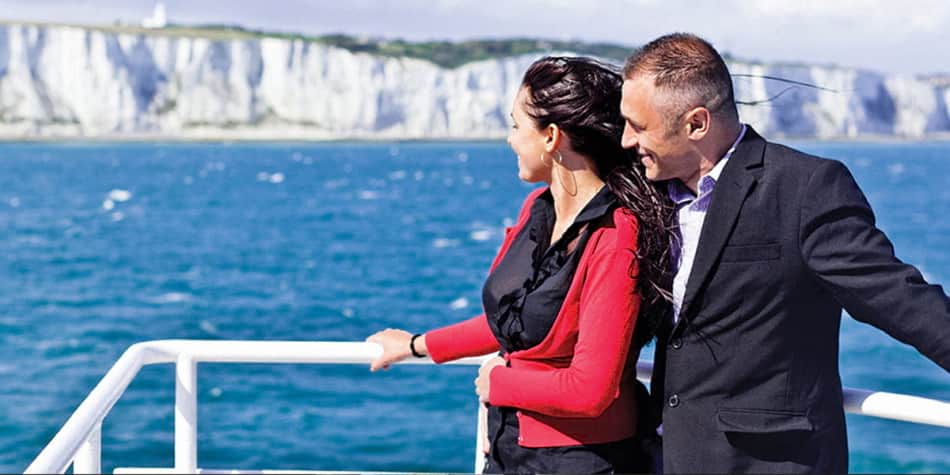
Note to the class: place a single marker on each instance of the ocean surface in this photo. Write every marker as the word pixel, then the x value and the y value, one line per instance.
pixel 103 245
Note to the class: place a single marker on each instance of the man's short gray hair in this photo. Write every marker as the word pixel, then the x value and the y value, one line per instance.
pixel 689 72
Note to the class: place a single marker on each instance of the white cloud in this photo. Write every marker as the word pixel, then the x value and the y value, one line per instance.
pixel 916 16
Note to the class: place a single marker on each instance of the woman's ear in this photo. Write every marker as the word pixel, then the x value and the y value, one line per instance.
pixel 552 138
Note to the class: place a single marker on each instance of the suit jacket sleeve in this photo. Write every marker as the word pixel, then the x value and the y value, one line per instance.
pixel 854 259
pixel 608 308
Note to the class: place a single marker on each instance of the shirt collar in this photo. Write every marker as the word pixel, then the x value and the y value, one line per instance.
pixel 678 192
pixel 717 170
pixel 598 206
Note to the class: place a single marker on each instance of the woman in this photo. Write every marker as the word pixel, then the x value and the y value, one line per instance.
pixel 585 264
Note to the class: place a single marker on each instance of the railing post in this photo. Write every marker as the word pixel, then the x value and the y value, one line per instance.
pixel 89 456
pixel 186 414
pixel 480 436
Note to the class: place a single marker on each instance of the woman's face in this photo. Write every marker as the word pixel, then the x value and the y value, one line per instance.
pixel 528 143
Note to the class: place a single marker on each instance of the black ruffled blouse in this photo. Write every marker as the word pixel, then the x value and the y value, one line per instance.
pixel 523 295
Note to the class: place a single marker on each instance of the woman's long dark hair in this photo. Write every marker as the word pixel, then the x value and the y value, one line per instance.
pixel 582 97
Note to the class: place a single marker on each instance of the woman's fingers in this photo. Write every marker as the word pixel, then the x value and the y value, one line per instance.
pixel 382 363
pixel 395 344
pixel 483 381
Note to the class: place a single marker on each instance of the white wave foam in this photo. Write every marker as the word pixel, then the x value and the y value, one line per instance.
pixel 481 234
pixel 118 216
pixel 397 175
pixel 208 327
pixel 368 195
pixel 108 205
pixel 14 202
pixel 348 312
pixel 271 177
pixel 174 297
pixel 120 196
pixel 441 243
pixel 896 169
pixel 459 303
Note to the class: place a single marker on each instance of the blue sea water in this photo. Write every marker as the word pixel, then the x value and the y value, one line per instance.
pixel 330 242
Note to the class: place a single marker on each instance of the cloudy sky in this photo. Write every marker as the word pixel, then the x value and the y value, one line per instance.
pixel 911 36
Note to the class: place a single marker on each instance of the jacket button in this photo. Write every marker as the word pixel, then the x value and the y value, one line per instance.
pixel 677 343
pixel 674 400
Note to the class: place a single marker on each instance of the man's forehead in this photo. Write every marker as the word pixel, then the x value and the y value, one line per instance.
pixel 641 92
pixel 635 94
pixel 638 83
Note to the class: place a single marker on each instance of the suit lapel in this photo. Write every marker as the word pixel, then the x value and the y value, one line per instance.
pixel 736 182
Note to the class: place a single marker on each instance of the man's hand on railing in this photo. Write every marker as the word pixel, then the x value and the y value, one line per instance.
pixel 395 345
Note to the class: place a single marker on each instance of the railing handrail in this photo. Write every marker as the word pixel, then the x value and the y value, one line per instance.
pixel 59 453
pixel 87 419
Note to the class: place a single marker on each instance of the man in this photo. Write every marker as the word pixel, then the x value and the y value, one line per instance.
pixel 773 244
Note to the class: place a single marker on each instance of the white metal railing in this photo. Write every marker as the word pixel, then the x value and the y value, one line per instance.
pixel 78 442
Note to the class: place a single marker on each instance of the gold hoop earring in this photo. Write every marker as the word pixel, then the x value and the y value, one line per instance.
pixel 559 157
pixel 542 160
pixel 564 182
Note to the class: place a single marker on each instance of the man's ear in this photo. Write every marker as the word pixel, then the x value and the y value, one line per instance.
pixel 698 121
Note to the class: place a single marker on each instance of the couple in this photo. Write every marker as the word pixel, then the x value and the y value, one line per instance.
pixel 666 216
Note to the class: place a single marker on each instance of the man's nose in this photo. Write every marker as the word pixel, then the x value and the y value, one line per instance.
pixel 629 139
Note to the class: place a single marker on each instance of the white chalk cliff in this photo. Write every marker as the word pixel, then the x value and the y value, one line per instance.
pixel 63 81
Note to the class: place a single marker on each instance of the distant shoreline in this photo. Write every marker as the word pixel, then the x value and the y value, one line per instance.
pixel 218 139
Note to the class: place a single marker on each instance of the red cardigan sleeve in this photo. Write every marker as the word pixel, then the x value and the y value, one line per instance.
pixel 473 337
pixel 607 316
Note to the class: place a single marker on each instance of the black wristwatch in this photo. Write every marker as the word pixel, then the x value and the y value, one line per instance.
pixel 412 346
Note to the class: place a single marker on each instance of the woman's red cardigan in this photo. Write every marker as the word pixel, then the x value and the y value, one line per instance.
pixel 576 386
